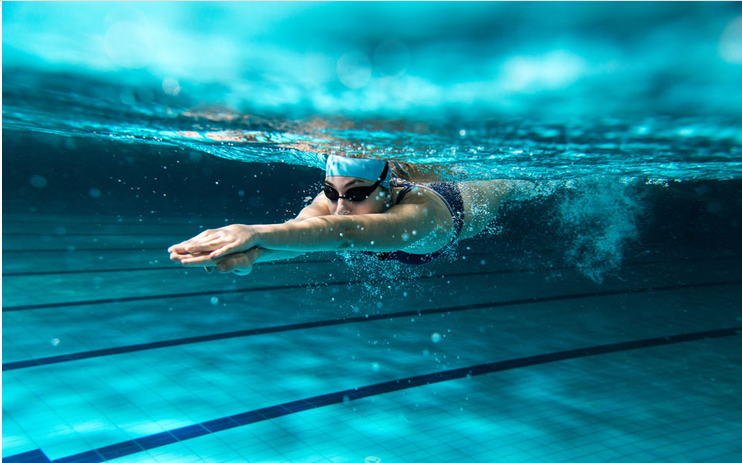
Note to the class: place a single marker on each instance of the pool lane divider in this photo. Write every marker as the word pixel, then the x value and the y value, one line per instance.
pixel 64 251
pixel 21 364
pixel 54 305
pixel 325 261
pixel 53 234
pixel 143 444
pixel 138 269
pixel 175 267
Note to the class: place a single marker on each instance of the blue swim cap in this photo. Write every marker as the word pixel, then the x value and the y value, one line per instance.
pixel 367 169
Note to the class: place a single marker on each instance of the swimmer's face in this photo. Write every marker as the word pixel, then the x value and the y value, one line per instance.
pixel 376 203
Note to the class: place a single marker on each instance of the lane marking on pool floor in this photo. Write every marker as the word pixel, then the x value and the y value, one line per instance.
pixel 53 305
pixel 327 261
pixel 143 444
pixel 21 364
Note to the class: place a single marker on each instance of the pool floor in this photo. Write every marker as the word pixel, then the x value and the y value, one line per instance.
pixel 111 352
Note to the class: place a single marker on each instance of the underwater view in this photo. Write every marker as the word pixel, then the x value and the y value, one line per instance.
pixel 579 171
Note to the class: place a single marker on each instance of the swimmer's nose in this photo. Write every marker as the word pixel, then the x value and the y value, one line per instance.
pixel 343 207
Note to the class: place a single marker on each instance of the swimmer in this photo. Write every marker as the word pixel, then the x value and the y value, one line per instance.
pixel 362 208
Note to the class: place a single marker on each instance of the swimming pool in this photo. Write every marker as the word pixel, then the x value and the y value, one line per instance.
pixel 598 320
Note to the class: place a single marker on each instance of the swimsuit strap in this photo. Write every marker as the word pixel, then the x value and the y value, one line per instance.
pixel 452 198
pixel 407 188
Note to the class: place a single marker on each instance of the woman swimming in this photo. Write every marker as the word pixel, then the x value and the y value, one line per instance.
pixel 360 209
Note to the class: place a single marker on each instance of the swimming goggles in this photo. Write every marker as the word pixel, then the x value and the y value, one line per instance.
pixel 357 194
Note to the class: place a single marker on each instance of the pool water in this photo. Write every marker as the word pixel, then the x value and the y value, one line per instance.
pixel 597 319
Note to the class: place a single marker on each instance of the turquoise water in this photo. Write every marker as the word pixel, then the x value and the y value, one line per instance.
pixel 496 89
pixel 596 320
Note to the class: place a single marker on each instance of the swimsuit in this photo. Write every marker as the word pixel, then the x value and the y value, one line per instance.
pixel 455 203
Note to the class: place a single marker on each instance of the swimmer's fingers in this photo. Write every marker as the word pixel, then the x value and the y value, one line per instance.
pixel 200 260
pixel 208 246
pixel 225 240
pixel 180 248
pixel 239 263
pixel 228 248
pixel 199 240
pixel 195 247
pixel 177 249
pixel 176 257
pixel 213 242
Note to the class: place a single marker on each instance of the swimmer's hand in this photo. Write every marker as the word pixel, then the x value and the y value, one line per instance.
pixel 240 263
pixel 206 247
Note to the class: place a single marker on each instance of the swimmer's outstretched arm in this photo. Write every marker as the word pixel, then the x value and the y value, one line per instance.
pixel 243 261
pixel 402 226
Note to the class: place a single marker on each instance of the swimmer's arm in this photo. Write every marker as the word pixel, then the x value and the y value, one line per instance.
pixel 317 208
pixel 182 251
pixel 424 226
pixel 402 227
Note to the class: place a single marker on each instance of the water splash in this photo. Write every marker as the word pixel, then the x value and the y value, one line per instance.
pixel 598 217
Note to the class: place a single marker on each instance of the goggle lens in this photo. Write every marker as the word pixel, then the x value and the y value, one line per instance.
pixel 356 194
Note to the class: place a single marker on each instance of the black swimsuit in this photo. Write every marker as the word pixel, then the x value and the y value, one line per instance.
pixel 452 197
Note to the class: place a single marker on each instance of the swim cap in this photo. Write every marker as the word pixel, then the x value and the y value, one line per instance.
pixel 367 169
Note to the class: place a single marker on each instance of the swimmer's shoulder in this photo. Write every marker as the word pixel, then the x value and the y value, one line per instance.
pixel 419 194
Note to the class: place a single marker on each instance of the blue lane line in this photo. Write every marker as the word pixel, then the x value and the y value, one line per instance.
pixel 34 456
pixel 102 270
pixel 147 298
pixel 53 305
pixel 63 251
pixel 97 235
pixel 136 269
pixel 316 261
pixel 21 364
pixel 241 419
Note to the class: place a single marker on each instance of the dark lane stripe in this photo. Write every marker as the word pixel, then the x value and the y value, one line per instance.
pixel 34 456
pixel 131 249
pixel 164 247
pixel 325 261
pixel 53 305
pixel 141 269
pixel 290 262
pixel 241 419
pixel 261 288
pixel 148 298
pixel 322 323
pixel 66 235
pixel 91 222
pixel 102 270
